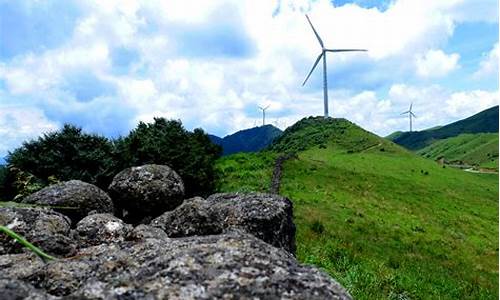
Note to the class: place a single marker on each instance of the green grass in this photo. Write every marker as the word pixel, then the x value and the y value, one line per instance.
pixel 387 225
pixel 479 149
pixel 245 172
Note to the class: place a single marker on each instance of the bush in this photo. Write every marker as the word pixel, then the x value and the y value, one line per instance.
pixel 65 154
pixel 191 154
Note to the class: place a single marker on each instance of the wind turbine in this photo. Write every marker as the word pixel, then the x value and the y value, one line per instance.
pixel 264 114
pixel 410 115
pixel 323 55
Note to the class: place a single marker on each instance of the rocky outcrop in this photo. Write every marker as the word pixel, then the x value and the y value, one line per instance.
pixel 44 228
pixel 73 198
pixel 266 216
pixel 227 266
pixel 147 191
pixel 228 246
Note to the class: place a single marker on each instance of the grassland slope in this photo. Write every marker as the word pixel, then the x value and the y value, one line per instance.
pixel 386 224
pixel 480 149
pixel 483 122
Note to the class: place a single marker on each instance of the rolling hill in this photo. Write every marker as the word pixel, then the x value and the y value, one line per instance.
pixel 480 149
pixel 248 140
pixel 483 122
pixel 387 224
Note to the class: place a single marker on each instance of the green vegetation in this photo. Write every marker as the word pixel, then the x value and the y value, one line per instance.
pixel 191 154
pixel 385 224
pixel 336 133
pixel 480 149
pixel 26 244
pixel 245 172
pixel 72 154
pixel 483 122
pixel 65 154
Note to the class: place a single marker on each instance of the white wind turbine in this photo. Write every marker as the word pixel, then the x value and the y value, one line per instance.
pixel 323 55
pixel 410 115
pixel 264 114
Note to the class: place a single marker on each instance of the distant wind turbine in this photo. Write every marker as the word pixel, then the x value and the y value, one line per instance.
pixel 410 115
pixel 264 114
pixel 323 54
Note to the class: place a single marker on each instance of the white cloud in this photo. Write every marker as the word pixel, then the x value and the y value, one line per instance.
pixel 221 94
pixel 489 65
pixel 436 63
pixel 19 124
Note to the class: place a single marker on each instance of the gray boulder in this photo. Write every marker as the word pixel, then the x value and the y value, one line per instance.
pixel 228 266
pixel 143 232
pixel 80 196
pixel 12 289
pixel 266 216
pixel 147 190
pixel 97 229
pixel 44 228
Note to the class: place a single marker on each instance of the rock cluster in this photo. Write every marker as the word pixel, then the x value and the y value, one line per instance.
pixel 228 246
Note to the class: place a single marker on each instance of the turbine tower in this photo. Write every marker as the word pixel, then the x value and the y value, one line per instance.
pixel 264 114
pixel 323 55
pixel 410 115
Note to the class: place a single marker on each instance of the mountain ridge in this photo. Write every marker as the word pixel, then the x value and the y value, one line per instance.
pixel 247 140
pixel 485 121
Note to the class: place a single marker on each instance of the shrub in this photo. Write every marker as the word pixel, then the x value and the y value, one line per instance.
pixel 191 154
pixel 66 154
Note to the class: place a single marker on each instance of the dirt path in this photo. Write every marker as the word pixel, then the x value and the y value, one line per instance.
pixel 277 172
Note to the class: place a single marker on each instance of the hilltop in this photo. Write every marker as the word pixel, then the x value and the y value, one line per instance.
pixel 336 132
pixel 483 122
pixel 387 224
pixel 248 140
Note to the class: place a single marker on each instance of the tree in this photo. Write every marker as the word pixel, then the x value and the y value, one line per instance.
pixel 67 154
pixel 191 154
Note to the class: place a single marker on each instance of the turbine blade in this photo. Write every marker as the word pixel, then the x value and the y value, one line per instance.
pixel 411 104
pixel 405 112
pixel 317 35
pixel 345 50
pixel 267 107
pixel 314 66
pixel 413 115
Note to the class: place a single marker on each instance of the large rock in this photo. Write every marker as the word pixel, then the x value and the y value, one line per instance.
pixel 266 216
pixel 12 289
pixel 228 266
pixel 44 228
pixel 146 191
pixel 79 196
pixel 97 229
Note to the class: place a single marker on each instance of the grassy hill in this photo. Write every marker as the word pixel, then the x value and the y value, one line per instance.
pixel 483 122
pixel 248 140
pixel 337 133
pixel 480 149
pixel 386 224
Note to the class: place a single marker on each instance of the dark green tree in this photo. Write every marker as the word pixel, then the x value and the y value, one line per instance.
pixel 67 154
pixel 191 154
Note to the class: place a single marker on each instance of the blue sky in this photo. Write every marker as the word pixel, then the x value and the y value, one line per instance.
pixel 106 65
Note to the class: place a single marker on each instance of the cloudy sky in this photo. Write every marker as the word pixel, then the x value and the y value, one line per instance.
pixel 105 65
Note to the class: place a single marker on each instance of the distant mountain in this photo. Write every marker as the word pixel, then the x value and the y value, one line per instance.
pixel 478 149
pixel 483 122
pixel 248 140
